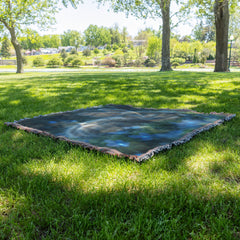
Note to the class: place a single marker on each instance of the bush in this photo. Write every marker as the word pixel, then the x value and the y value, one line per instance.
pixel 68 60
pixel 109 61
pixel 119 60
pixel 175 64
pixel 109 48
pixel 178 60
pixel 76 62
pixel 203 59
pixel 211 57
pixel 105 52
pixel 118 52
pixel 96 50
pixel 73 61
pixel 150 62
pixel 180 54
pixel 54 62
pixel 97 62
pixel 131 46
pixel 126 58
pixel 138 62
pixel 24 60
pixel 63 54
pixel 130 63
pixel 115 46
pixel 38 62
pixel 125 50
pixel 86 52
pixel 74 51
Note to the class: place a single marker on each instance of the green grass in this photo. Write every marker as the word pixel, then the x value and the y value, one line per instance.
pixel 51 190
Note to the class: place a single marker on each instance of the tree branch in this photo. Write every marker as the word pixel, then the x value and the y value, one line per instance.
pixel 5 23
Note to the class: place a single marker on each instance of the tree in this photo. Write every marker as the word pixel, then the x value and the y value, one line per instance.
pixel 97 36
pixel 124 35
pixel 5 49
pixel 221 10
pixel 15 15
pixel 205 32
pixel 144 9
pixel 165 9
pixel 115 35
pixel 154 48
pixel 234 25
pixel 144 35
pixel 50 41
pixel 31 41
pixel 72 38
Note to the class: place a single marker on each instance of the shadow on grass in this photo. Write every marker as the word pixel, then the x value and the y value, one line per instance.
pixel 109 198
pixel 55 92
pixel 45 204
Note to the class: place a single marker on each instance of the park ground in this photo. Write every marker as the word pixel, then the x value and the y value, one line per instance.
pixel 51 190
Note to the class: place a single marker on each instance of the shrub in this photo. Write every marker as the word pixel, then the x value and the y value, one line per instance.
pixel 54 62
pixel 150 62
pixel 126 59
pixel 211 57
pixel 125 50
pixel 97 62
pixel 115 46
pixel 118 52
pixel 96 50
pixel 109 48
pixel 73 61
pixel 175 64
pixel 105 52
pixel 119 60
pixel 109 61
pixel 68 60
pixel 178 60
pixel 203 59
pixel 38 62
pixel 24 60
pixel 74 51
pixel 63 54
pixel 86 52
pixel 138 62
pixel 131 46
pixel 130 63
pixel 76 62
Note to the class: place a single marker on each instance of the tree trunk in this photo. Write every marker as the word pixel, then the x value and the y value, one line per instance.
pixel 17 48
pixel 221 12
pixel 165 8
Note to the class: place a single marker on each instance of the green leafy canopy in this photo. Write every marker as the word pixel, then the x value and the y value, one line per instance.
pixel 21 13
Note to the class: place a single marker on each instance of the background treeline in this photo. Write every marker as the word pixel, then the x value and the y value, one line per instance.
pixel 115 47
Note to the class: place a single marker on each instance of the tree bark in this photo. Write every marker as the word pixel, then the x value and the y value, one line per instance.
pixel 17 48
pixel 221 12
pixel 165 8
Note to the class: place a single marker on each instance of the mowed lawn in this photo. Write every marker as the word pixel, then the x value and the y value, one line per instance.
pixel 52 190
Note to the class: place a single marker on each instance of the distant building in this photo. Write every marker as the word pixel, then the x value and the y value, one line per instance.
pixel 33 52
pixel 137 43
pixel 82 48
pixel 48 50
pixel 67 48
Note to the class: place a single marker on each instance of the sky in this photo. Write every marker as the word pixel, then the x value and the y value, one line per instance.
pixel 88 13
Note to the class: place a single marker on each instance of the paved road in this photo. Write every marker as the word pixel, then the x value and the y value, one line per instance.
pixel 109 70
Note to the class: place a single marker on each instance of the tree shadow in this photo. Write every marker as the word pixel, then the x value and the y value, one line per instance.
pixel 162 198
pixel 51 209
